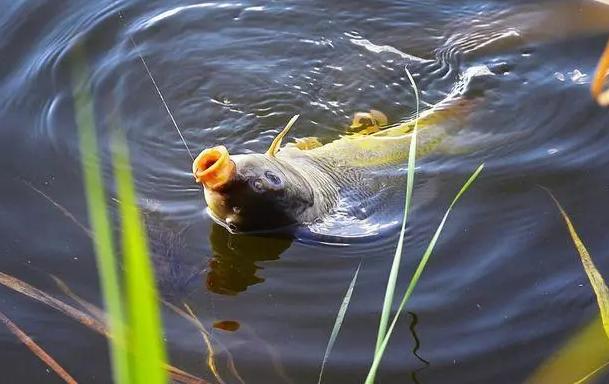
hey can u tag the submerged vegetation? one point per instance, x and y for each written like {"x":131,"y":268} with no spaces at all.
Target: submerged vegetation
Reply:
{"x":36,"y":349}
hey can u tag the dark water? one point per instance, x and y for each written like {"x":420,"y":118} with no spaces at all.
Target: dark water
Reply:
{"x":504,"y":288}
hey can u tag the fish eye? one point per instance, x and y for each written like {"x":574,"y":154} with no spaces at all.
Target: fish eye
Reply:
{"x":272,"y":177}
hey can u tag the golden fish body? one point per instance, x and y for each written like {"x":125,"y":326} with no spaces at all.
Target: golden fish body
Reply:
{"x":391,"y":145}
{"x":340,"y":185}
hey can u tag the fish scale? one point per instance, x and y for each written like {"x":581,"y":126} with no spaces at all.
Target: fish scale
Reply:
{"x":346,"y":187}
{"x":354,"y":176}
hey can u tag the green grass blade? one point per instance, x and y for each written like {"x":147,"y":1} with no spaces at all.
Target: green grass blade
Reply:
{"x":586,"y":353}
{"x":338,"y":322}
{"x":145,"y":330}
{"x":397,"y":257}
{"x":596,"y":279}
{"x":98,"y":215}
{"x":415,"y":278}
{"x":583,"y":356}
{"x":591,"y":374}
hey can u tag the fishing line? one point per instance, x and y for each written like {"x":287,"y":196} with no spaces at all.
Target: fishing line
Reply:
{"x":158,"y":90}
{"x":173,"y":120}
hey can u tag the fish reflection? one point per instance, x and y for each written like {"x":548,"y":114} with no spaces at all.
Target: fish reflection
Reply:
{"x":232,"y":267}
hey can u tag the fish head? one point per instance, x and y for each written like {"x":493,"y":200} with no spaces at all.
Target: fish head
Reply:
{"x":252,"y":192}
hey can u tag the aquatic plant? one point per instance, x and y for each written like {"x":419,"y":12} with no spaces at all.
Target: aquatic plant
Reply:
{"x":136,"y":346}
{"x":338,"y":322}
{"x":99,"y":220}
{"x":586,"y":353}
{"x":378,"y":355}
{"x":89,"y":317}
{"x":384,"y":333}
{"x":385,"y":329}
{"x":596,"y":279}
{"x":581,"y":357}
{"x":135,"y":338}
{"x":395,"y":266}
{"x":36,"y":349}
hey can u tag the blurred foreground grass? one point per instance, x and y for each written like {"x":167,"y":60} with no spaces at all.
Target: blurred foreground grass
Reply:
{"x":136,"y":344}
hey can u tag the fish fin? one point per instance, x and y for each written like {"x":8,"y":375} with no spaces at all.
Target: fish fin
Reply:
{"x":455,"y":107}
{"x":365,"y":123}
{"x":450,"y":110}
{"x":274,"y":148}
{"x":306,"y":143}
{"x":379,"y":117}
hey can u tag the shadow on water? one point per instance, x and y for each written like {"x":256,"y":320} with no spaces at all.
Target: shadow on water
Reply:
{"x":415,"y":350}
{"x":232,"y":267}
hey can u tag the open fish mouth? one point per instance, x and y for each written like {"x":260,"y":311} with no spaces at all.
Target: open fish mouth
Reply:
{"x":213,"y":168}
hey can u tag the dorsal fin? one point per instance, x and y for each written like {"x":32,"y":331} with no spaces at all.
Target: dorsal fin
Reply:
{"x":274,"y":148}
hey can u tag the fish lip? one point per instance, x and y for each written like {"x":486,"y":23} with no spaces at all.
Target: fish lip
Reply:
{"x":213,"y":168}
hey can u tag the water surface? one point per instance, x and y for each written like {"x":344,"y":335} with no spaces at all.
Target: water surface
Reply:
{"x":504,"y":288}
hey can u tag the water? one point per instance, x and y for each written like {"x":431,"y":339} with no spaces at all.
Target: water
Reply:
{"x":504,"y":288}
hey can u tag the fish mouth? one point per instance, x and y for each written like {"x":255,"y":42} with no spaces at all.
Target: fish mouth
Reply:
{"x":213,"y":168}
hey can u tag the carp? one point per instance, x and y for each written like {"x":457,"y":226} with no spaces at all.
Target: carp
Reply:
{"x":303,"y":184}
